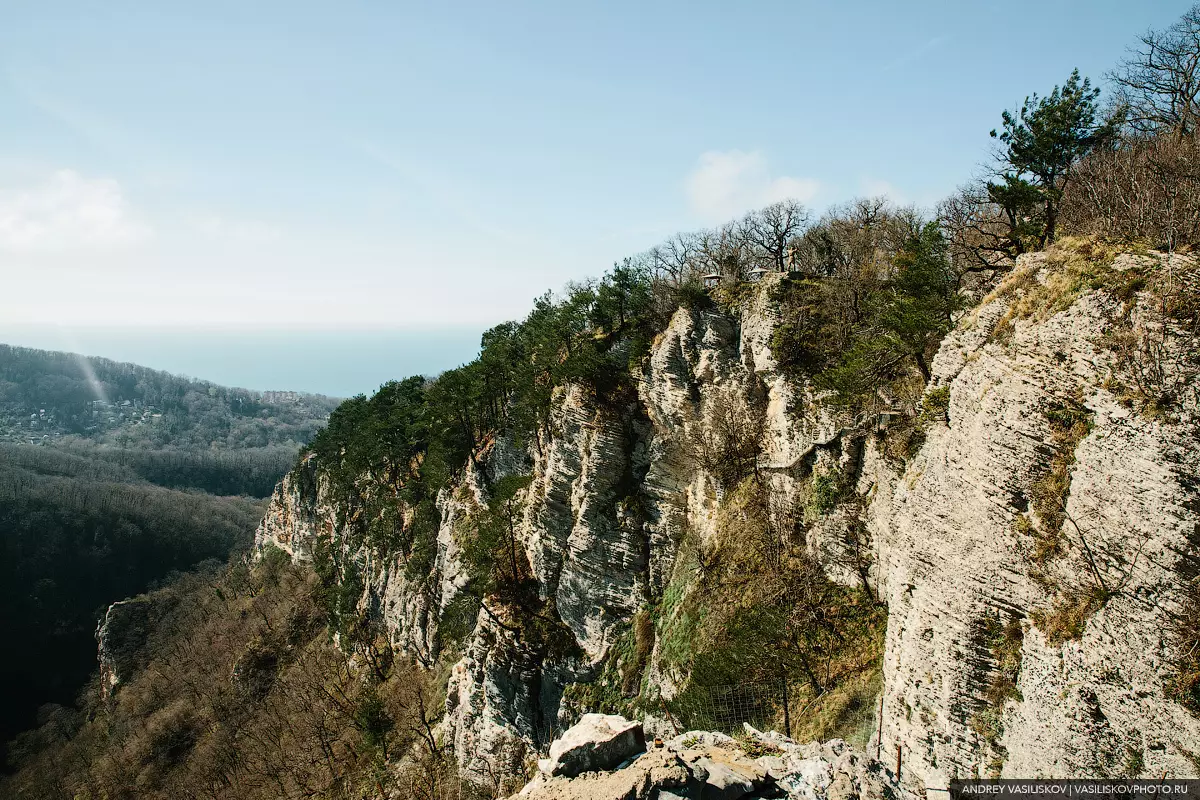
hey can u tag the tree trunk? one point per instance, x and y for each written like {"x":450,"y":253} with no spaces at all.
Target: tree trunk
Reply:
{"x":922,"y":365}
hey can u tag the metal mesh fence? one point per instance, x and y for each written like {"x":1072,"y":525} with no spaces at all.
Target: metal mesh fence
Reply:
{"x":726,"y":708}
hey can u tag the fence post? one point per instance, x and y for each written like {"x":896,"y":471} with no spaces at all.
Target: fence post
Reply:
{"x":787,"y":713}
{"x":879,"y":733}
{"x":667,"y":711}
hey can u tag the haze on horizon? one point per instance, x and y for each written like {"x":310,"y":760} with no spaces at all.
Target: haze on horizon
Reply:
{"x":385,"y":165}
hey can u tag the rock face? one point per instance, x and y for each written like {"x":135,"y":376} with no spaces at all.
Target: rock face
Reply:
{"x":703,"y":765}
{"x":959,"y":555}
{"x":979,"y":594}
{"x":120,"y":637}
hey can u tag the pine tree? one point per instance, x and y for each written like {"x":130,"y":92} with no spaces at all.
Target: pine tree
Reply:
{"x":1043,"y":141}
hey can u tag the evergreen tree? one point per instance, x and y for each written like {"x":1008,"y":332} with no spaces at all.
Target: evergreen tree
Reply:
{"x":1043,"y":140}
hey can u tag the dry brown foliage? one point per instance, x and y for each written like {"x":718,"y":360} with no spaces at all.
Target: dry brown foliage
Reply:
{"x":245,"y":696}
{"x":1146,"y":189}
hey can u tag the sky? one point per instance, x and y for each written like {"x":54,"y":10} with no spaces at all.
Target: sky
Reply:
{"x":396,"y":166}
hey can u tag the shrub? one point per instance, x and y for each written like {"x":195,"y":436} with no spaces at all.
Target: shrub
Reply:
{"x":935,"y":406}
{"x":825,"y":491}
{"x":1184,"y":683}
{"x":1067,"y":616}
{"x":1145,"y":189}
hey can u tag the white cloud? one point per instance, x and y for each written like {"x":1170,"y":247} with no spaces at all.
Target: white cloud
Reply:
{"x":66,"y":211}
{"x":873,"y":187}
{"x":246,"y":231}
{"x":726,"y":184}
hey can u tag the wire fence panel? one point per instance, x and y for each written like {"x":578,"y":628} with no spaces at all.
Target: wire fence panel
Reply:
{"x":727,"y":708}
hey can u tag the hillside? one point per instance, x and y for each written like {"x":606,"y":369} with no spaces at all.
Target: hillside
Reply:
{"x":114,"y":477}
{"x":74,"y":538}
{"x":981,"y":548}
{"x":47,"y":395}
{"x":905,"y":488}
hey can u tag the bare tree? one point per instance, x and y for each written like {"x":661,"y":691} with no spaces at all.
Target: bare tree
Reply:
{"x":677,"y":257}
{"x":724,"y":250}
{"x":729,"y":446}
{"x":978,"y":233}
{"x":772,"y":230}
{"x":1159,"y":83}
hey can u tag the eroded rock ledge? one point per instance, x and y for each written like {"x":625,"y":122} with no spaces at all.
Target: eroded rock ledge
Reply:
{"x":700,"y":765}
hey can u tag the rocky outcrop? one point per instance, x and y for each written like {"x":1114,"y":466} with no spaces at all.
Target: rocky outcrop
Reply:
{"x":596,"y":742}
{"x":121,"y":637}
{"x":703,"y":765}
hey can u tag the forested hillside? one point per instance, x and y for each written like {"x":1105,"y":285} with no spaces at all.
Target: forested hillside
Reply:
{"x":76,"y":535}
{"x":112,"y":478}
{"x":45,"y":394}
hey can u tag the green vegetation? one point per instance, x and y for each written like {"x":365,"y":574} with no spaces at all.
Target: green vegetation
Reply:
{"x":1043,"y":141}
{"x":865,"y":319}
{"x":501,"y":581}
{"x":1123,"y":170}
{"x":935,"y":406}
{"x":249,"y":698}
{"x":825,"y":492}
{"x":763,"y":613}
{"x":159,"y":475}
{"x":618,"y":689}
{"x":51,"y":394}
{"x":388,"y":456}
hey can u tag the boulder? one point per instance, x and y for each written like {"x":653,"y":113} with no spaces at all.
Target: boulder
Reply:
{"x":596,"y":742}
{"x":728,"y":781}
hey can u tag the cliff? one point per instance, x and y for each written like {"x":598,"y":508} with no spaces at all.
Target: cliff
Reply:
{"x":1029,"y":523}
{"x":1036,"y":551}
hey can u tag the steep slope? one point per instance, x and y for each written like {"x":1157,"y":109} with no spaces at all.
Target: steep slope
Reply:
{"x":1036,"y":551}
{"x":1033,"y":552}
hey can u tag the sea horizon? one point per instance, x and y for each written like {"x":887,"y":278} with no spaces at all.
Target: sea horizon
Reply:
{"x":334,"y":362}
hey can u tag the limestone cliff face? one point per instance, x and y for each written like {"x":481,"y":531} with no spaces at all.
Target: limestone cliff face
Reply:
{"x":957,"y":551}
{"x":588,"y":552}
{"x":614,"y":489}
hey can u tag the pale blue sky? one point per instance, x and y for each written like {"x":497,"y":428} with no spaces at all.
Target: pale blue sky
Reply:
{"x":353,"y":164}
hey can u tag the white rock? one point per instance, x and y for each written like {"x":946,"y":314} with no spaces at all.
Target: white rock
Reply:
{"x":596,"y":742}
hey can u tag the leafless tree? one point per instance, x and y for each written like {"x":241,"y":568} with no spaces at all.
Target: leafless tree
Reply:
{"x":677,"y":257}
{"x":1147,"y":188}
{"x":977,"y":233}
{"x":729,"y":446}
{"x":771,"y":231}
{"x":1159,"y":82}
{"x":724,"y":250}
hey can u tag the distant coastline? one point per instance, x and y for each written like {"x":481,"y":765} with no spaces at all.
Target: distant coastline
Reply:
{"x":337,"y":363}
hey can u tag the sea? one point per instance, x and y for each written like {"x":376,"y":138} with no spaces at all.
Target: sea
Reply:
{"x":337,"y":363}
